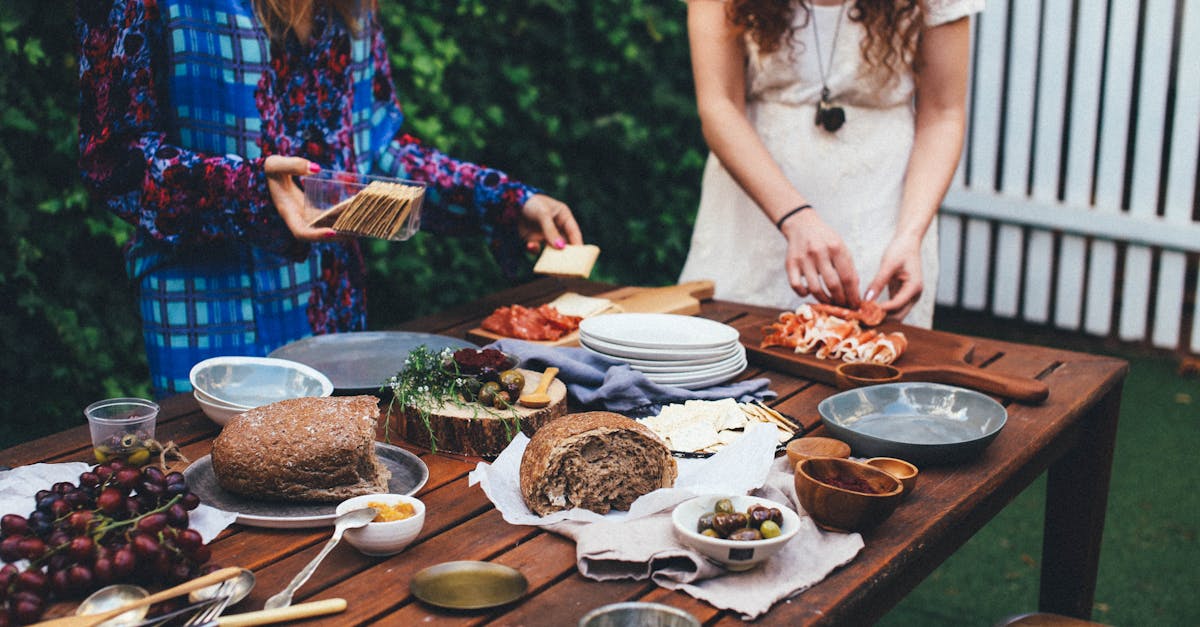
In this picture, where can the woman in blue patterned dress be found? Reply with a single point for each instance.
(196, 115)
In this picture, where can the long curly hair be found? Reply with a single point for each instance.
(280, 17)
(893, 28)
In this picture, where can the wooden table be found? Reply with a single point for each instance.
(1070, 437)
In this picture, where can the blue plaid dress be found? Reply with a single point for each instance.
(181, 101)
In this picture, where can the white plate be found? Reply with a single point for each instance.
(658, 354)
(688, 374)
(409, 474)
(677, 379)
(703, 383)
(663, 331)
(673, 369)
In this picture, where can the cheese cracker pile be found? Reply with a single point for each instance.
(706, 426)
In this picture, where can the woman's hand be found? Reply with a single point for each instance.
(900, 273)
(544, 219)
(817, 261)
(289, 198)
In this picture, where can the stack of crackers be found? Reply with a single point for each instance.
(380, 210)
(698, 426)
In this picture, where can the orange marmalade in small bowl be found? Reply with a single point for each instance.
(392, 512)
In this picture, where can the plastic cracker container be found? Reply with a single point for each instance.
(333, 192)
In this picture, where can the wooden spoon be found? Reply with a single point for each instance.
(95, 619)
(539, 397)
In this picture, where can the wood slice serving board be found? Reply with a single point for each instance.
(681, 299)
(471, 429)
(931, 356)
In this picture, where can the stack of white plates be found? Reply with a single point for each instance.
(669, 349)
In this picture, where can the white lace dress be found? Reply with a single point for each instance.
(853, 177)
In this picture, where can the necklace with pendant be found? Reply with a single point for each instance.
(829, 116)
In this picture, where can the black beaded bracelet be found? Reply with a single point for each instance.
(782, 219)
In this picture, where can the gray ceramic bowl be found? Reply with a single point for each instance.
(248, 382)
(924, 423)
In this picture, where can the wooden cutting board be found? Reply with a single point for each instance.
(681, 299)
(931, 356)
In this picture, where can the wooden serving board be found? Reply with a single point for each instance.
(932, 356)
(681, 299)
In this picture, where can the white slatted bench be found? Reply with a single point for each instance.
(1076, 202)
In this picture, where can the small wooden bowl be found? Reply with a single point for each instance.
(801, 449)
(838, 508)
(856, 375)
(898, 468)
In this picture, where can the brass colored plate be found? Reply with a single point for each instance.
(468, 585)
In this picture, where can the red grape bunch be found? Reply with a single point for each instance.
(120, 524)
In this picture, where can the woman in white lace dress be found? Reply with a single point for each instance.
(834, 136)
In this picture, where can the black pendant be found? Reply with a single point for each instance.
(829, 117)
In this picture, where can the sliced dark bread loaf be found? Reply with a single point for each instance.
(594, 460)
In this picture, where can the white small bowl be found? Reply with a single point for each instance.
(249, 382)
(384, 538)
(735, 555)
(219, 413)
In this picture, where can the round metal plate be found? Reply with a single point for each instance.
(468, 585)
(923, 423)
(359, 362)
(409, 474)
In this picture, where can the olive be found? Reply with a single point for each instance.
(723, 506)
(710, 532)
(487, 393)
(470, 389)
(502, 400)
(746, 534)
(512, 381)
(776, 516)
(129, 440)
(758, 514)
(769, 529)
(705, 522)
(138, 456)
(726, 523)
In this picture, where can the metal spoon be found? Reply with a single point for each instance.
(112, 597)
(236, 589)
(349, 520)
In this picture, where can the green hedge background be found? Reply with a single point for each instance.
(590, 100)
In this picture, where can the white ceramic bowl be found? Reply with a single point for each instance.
(732, 554)
(384, 538)
(219, 413)
(249, 382)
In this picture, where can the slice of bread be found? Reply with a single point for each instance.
(569, 261)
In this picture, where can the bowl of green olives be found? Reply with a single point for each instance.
(738, 532)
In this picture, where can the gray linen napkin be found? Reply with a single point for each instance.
(598, 382)
(647, 547)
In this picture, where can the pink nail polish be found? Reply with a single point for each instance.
(559, 243)
(331, 235)
(313, 168)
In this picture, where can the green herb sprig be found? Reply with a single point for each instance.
(429, 381)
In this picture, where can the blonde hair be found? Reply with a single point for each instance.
(280, 17)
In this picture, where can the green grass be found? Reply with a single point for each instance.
(1149, 562)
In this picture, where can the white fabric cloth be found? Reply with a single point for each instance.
(854, 177)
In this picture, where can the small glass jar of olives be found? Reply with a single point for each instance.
(122, 428)
(758, 522)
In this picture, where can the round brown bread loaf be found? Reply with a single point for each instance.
(303, 449)
(594, 460)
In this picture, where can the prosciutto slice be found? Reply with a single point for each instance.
(537, 324)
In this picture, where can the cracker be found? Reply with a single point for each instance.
(569, 261)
